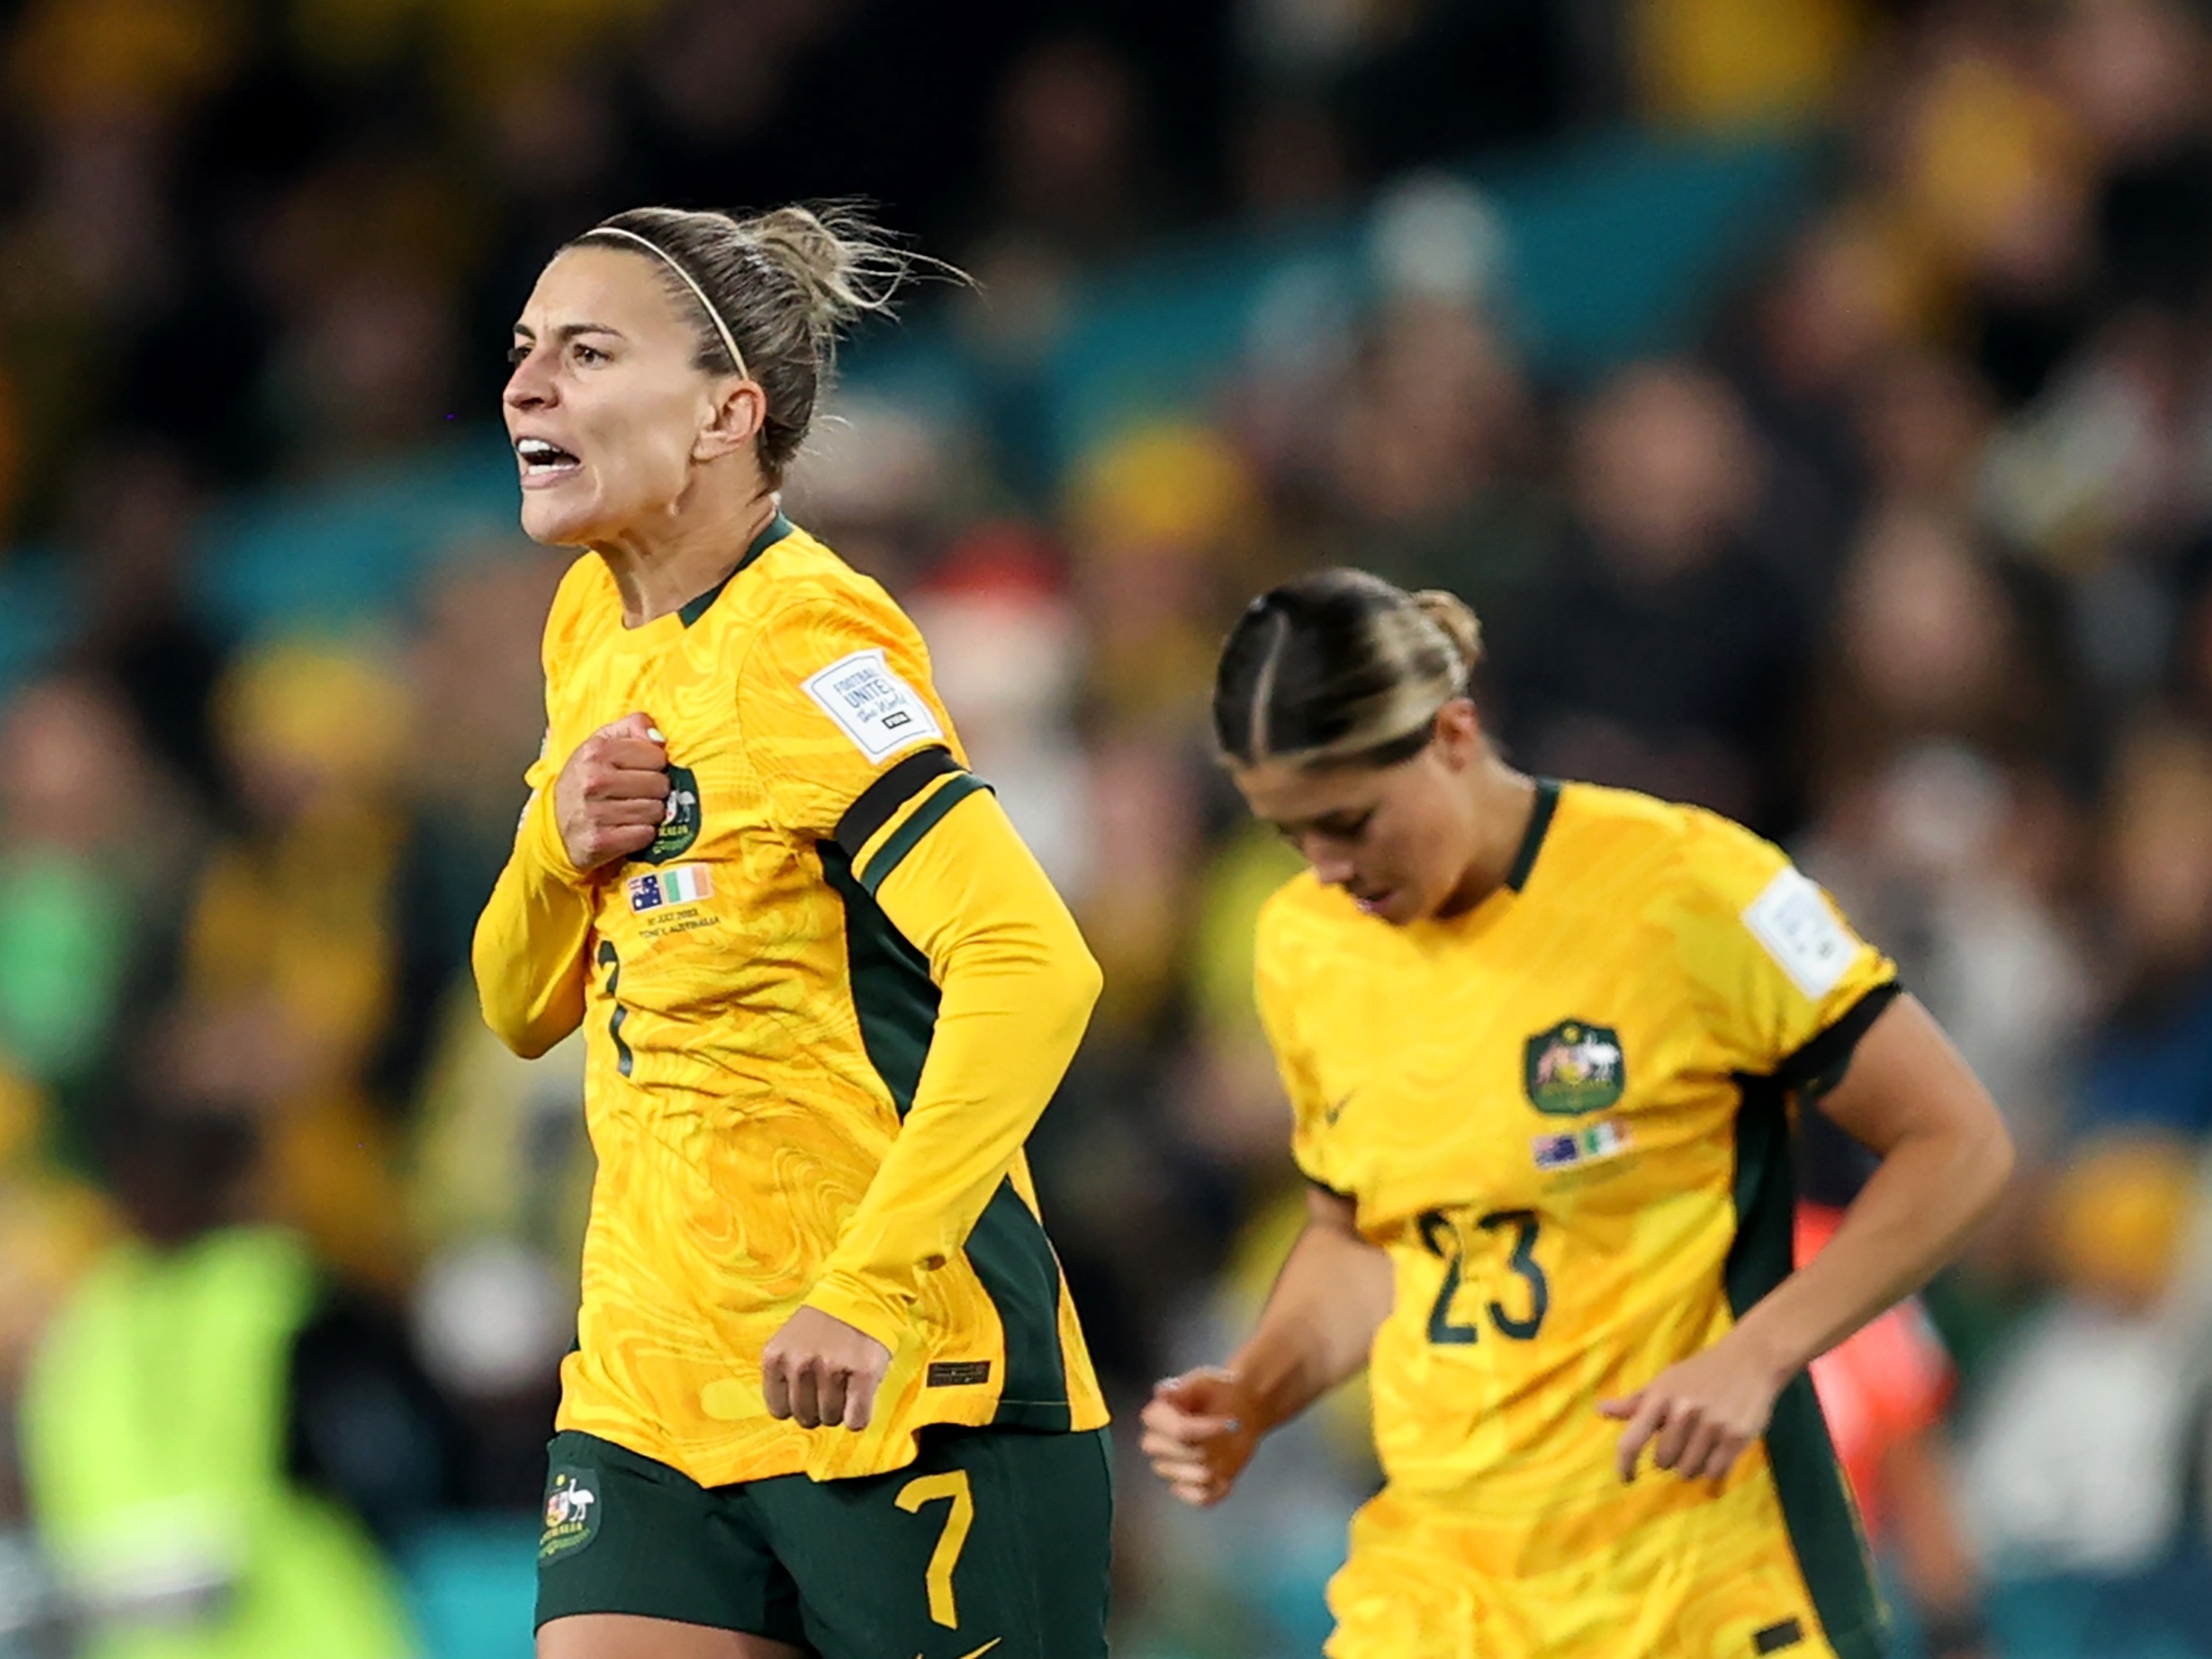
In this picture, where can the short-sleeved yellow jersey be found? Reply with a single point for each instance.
(1564, 1114)
(755, 1028)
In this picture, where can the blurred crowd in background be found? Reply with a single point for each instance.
(1899, 548)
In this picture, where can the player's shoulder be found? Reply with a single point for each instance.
(807, 587)
(1664, 847)
(1303, 920)
(585, 601)
(586, 607)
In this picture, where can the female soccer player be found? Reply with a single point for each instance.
(1542, 1042)
(829, 1393)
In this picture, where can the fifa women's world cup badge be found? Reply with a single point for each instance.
(571, 1513)
(1574, 1068)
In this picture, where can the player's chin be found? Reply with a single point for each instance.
(560, 517)
(1396, 905)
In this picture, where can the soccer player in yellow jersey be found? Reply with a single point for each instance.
(1543, 1043)
(828, 1394)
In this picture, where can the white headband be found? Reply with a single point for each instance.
(729, 341)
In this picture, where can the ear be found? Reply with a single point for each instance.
(1459, 739)
(740, 410)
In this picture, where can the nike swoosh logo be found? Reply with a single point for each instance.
(1331, 1114)
(978, 1652)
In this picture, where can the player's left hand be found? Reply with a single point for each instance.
(819, 1369)
(1704, 1411)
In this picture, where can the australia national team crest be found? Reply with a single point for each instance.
(571, 1513)
(1574, 1068)
(680, 819)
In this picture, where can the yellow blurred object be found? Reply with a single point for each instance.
(499, 1148)
(52, 1227)
(107, 58)
(2118, 1212)
(1244, 874)
(1989, 157)
(1171, 482)
(329, 1170)
(336, 712)
(475, 40)
(22, 1105)
(1729, 64)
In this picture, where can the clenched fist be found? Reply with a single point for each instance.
(1199, 1434)
(818, 1371)
(610, 797)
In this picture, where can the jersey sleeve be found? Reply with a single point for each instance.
(1783, 985)
(1275, 989)
(833, 699)
(1017, 984)
(528, 949)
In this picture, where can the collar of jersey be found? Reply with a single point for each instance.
(1532, 839)
(777, 529)
(652, 635)
(1496, 902)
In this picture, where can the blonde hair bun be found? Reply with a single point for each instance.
(844, 265)
(1458, 621)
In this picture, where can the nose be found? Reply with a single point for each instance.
(530, 385)
(1331, 868)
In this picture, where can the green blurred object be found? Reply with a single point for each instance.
(64, 943)
(153, 1429)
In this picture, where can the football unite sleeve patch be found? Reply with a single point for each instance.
(871, 705)
(1792, 921)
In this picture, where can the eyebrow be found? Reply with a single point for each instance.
(1320, 820)
(568, 331)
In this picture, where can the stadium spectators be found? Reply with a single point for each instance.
(1896, 538)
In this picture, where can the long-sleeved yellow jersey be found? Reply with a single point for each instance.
(824, 1010)
(1564, 1114)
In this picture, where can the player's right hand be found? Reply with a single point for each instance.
(611, 796)
(1198, 1434)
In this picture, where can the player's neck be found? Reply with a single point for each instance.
(662, 565)
(1504, 801)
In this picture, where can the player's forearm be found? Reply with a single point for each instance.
(1018, 985)
(1910, 1219)
(1319, 1325)
(531, 940)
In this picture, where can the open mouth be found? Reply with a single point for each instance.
(542, 461)
(1372, 904)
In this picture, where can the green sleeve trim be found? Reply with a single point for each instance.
(897, 1005)
(904, 839)
(878, 803)
(1817, 1511)
(1818, 1066)
(1015, 1262)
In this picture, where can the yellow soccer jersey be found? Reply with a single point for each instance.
(757, 1028)
(1565, 1116)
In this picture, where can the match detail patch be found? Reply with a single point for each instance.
(1791, 919)
(687, 883)
(957, 1373)
(872, 706)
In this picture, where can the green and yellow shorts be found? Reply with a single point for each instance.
(992, 1540)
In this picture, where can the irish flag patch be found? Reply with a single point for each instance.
(1602, 1139)
(685, 884)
